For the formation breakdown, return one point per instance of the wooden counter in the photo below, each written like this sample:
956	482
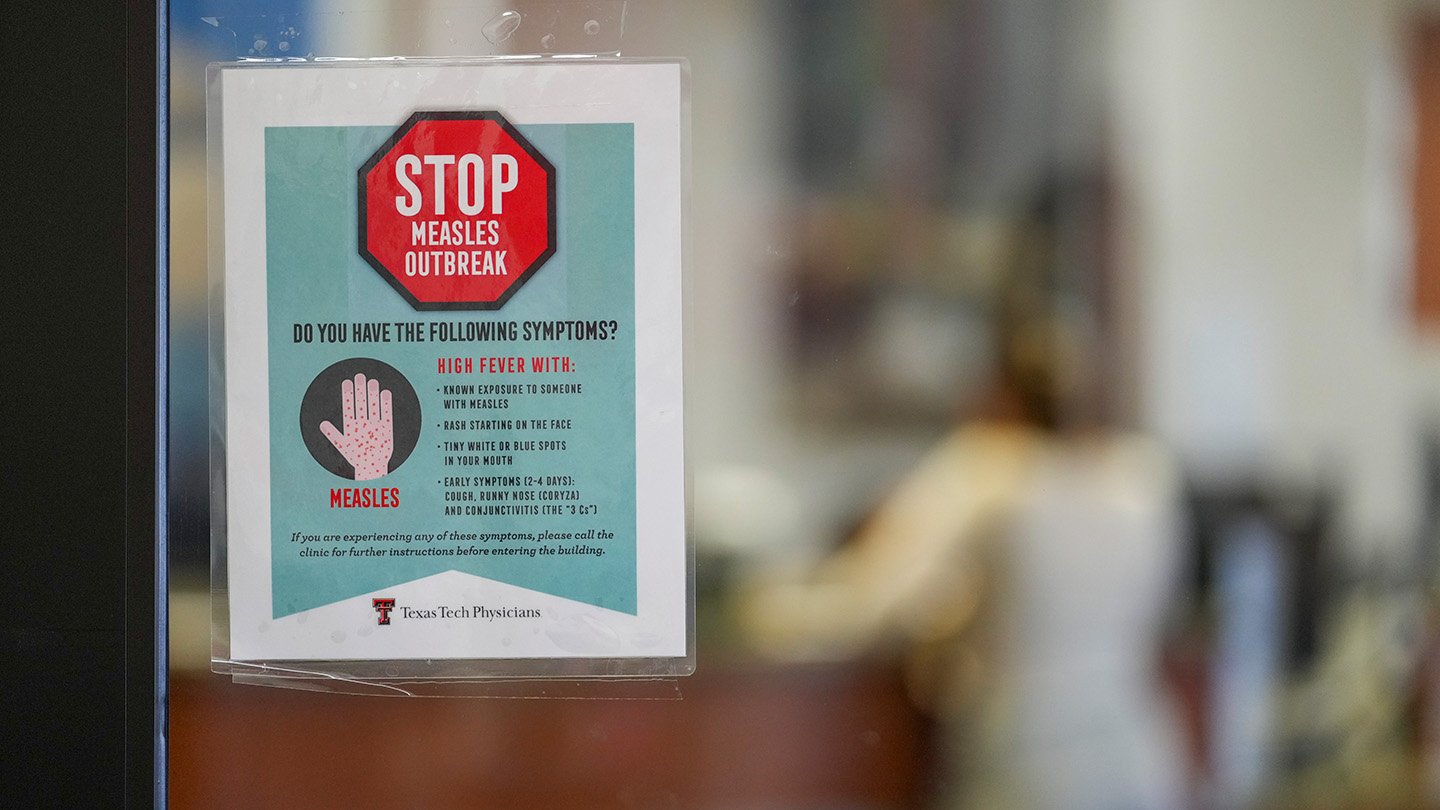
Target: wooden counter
751	736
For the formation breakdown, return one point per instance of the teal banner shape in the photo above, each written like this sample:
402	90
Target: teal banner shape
521	459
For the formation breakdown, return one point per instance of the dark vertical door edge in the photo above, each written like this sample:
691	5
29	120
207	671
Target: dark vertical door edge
145	406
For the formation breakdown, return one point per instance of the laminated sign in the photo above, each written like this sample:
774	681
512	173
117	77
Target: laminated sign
450	421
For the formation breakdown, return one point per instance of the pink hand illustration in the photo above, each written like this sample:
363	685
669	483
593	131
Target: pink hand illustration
369	437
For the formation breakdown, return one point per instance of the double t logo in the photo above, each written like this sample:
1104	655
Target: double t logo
383	607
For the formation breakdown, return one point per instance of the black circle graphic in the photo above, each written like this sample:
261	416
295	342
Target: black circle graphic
323	403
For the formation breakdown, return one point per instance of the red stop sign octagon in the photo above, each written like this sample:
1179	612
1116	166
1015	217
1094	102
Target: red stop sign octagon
457	210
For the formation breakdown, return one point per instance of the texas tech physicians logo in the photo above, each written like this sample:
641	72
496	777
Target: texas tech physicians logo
383	606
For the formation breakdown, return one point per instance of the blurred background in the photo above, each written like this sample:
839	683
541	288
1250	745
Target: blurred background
1064	416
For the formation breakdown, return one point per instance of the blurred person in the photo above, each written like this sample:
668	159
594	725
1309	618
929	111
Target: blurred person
1024	570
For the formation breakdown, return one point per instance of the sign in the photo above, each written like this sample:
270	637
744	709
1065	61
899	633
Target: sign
457	210
451	344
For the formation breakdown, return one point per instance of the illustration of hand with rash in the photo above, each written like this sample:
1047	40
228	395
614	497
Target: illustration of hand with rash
369	421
